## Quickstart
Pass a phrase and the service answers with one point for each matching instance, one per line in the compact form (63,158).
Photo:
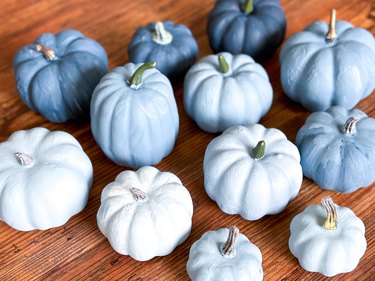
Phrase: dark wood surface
(77,250)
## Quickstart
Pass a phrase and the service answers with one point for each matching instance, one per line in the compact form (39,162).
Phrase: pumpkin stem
(331,35)
(223,65)
(259,150)
(331,221)
(160,35)
(24,159)
(136,78)
(139,195)
(47,52)
(248,6)
(229,247)
(350,125)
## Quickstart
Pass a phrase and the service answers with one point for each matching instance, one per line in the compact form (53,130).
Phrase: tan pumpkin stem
(24,159)
(331,35)
(331,221)
(47,52)
(160,35)
(350,125)
(138,194)
(229,248)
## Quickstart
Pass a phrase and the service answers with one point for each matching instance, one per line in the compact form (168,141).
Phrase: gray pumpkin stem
(331,221)
(136,78)
(350,125)
(139,195)
(248,6)
(48,53)
(259,150)
(161,35)
(331,35)
(24,159)
(223,65)
(229,248)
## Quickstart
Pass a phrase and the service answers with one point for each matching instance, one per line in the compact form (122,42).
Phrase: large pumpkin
(57,74)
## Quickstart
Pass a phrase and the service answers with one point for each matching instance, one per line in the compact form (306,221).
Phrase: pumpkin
(252,171)
(252,27)
(338,149)
(327,65)
(172,46)
(224,254)
(223,90)
(45,178)
(134,116)
(145,213)
(327,238)
(57,74)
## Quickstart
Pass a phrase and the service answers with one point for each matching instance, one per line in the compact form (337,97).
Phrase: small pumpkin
(223,90)
(134,116)
(338,149)
(252,171)
(172,46)
(327,238)
(252,27)
(327,65)
(224,254)
(57,74)
(145,213)
(45,178)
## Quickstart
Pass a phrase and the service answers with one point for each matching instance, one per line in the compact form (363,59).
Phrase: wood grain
(77,250)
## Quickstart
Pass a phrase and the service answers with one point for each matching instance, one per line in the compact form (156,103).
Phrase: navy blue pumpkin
(252,27)
(56,75)
(171,46)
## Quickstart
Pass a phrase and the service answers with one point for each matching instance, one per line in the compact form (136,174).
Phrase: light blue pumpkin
(223,90)
(338,149)
(172,46)
(323,66)
(57,74)
(134,116)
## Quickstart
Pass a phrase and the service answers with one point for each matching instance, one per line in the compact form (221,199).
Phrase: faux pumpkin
(338,149)
(134,116)
(172,46)
(252,171)
(327,65)
(252,27)
(223,90)
(145,213)
(45,178)
(327,238)
(57,74)
(224,255)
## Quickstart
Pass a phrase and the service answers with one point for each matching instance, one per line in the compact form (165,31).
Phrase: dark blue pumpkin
(56,75)
(252,27)
(171,46)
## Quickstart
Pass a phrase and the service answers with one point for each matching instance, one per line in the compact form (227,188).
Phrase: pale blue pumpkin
(326,65)
(338,149)
(172,46)
(223,90)
(56,75)
(134,116)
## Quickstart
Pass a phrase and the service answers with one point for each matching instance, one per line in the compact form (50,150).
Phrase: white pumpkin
(252,171)
(328,239)
(145,213)
(45,178)
(224,255)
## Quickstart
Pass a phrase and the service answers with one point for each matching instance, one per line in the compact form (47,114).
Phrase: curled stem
(48,53)
(331,221)
(228,249)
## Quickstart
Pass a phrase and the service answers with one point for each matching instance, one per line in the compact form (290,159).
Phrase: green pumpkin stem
(223,65)
(138,195)
(248,6)
(350,125)
(48,53)
(228,249)
(160,35)
(331,35)
(136,78)
(259,150)
(24,159)
(331,221)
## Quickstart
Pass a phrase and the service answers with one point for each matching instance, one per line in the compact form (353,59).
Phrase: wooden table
(77,250)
